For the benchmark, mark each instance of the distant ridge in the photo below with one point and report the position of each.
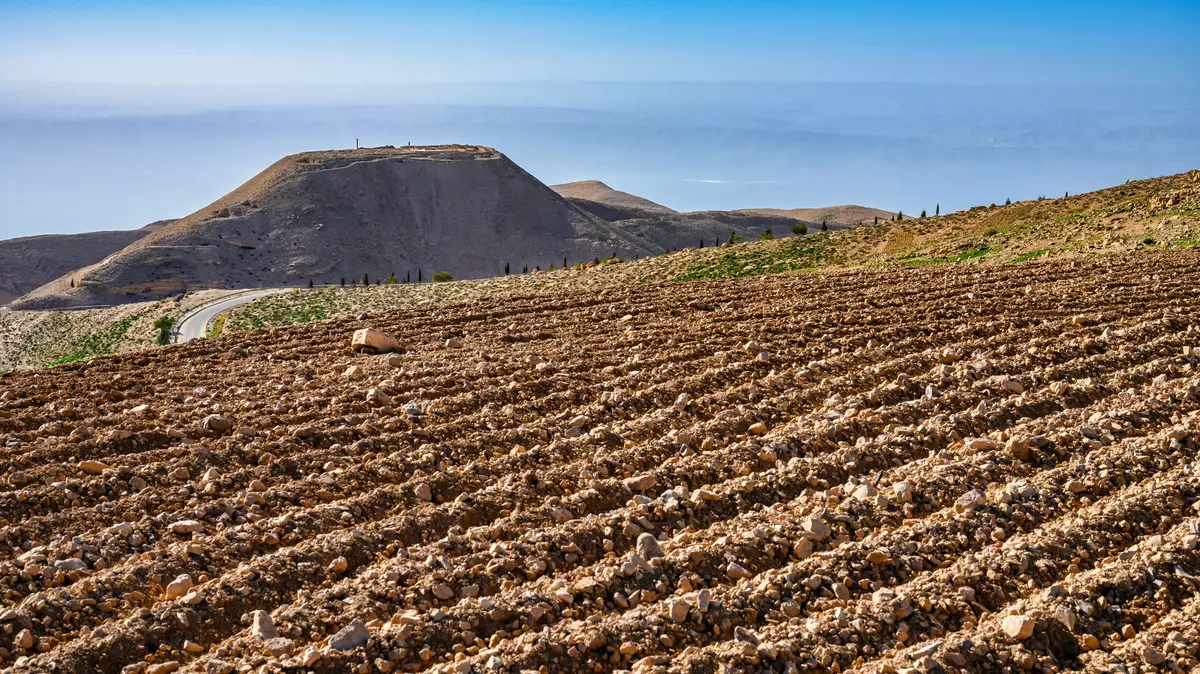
(848, 214)
(598, 193)
(31, 261)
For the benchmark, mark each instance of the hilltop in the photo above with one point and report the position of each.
(31, 261)
(335, 215)
(610, 204)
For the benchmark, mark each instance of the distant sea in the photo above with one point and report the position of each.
(78, 158)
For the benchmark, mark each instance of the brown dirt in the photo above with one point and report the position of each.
(851, 470)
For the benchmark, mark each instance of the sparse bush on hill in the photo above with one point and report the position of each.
(736, 238)
(801, 228)
(766, 236)
(442, 276)
(163, 325)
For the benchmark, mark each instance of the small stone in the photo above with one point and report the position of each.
(1017, 448)
(648, 547)
(24, 639)
(803, 549)
(219, 667)
(980, 444)
(279, 646)
(351, 636)
(641, 482)
(179, 587)
(423, 492)
(184, 527)
(192, 647)
(339, 565)
(703, 600)
(1152, 656)
(736, 571)
(92, 467)
(217, 423)
(879, 556)
(163, 667)
(443, 591)
(677, 609)
(262, 626)
(814, 527)
(1018, 626)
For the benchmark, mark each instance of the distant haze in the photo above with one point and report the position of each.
(86, 158)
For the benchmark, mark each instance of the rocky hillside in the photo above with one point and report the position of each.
(31, 261)
(335, 215)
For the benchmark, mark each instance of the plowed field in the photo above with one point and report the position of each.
(975, 469)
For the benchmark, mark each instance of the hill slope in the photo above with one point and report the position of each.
(602, 197)
(331, 215)
(839, 216)
(31, 261)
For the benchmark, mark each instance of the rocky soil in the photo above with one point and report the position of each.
(942, 468)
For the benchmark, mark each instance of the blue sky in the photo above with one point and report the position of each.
(150, 110)
(359, 43)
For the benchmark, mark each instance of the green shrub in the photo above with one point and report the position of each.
(442, 276)
(801, 228)
(767, 235)
(164, 324)
(736, 238)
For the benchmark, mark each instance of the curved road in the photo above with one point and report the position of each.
(196, 324)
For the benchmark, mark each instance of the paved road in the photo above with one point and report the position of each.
(196, 324)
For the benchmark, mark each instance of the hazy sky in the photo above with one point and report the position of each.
(294, 42)
(116, 113)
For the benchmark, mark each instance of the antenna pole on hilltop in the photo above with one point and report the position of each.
(355, 143)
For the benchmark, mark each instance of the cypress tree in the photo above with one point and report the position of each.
(343, 281)
(922, 212)
(506, 269)
(564, 262)
(310, 283)
(419, 277)
(937, 209)
(366, 281)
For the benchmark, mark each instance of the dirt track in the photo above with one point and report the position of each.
(621, 479)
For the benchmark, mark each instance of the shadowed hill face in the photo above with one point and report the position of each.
(326, 216)
(29, 262)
